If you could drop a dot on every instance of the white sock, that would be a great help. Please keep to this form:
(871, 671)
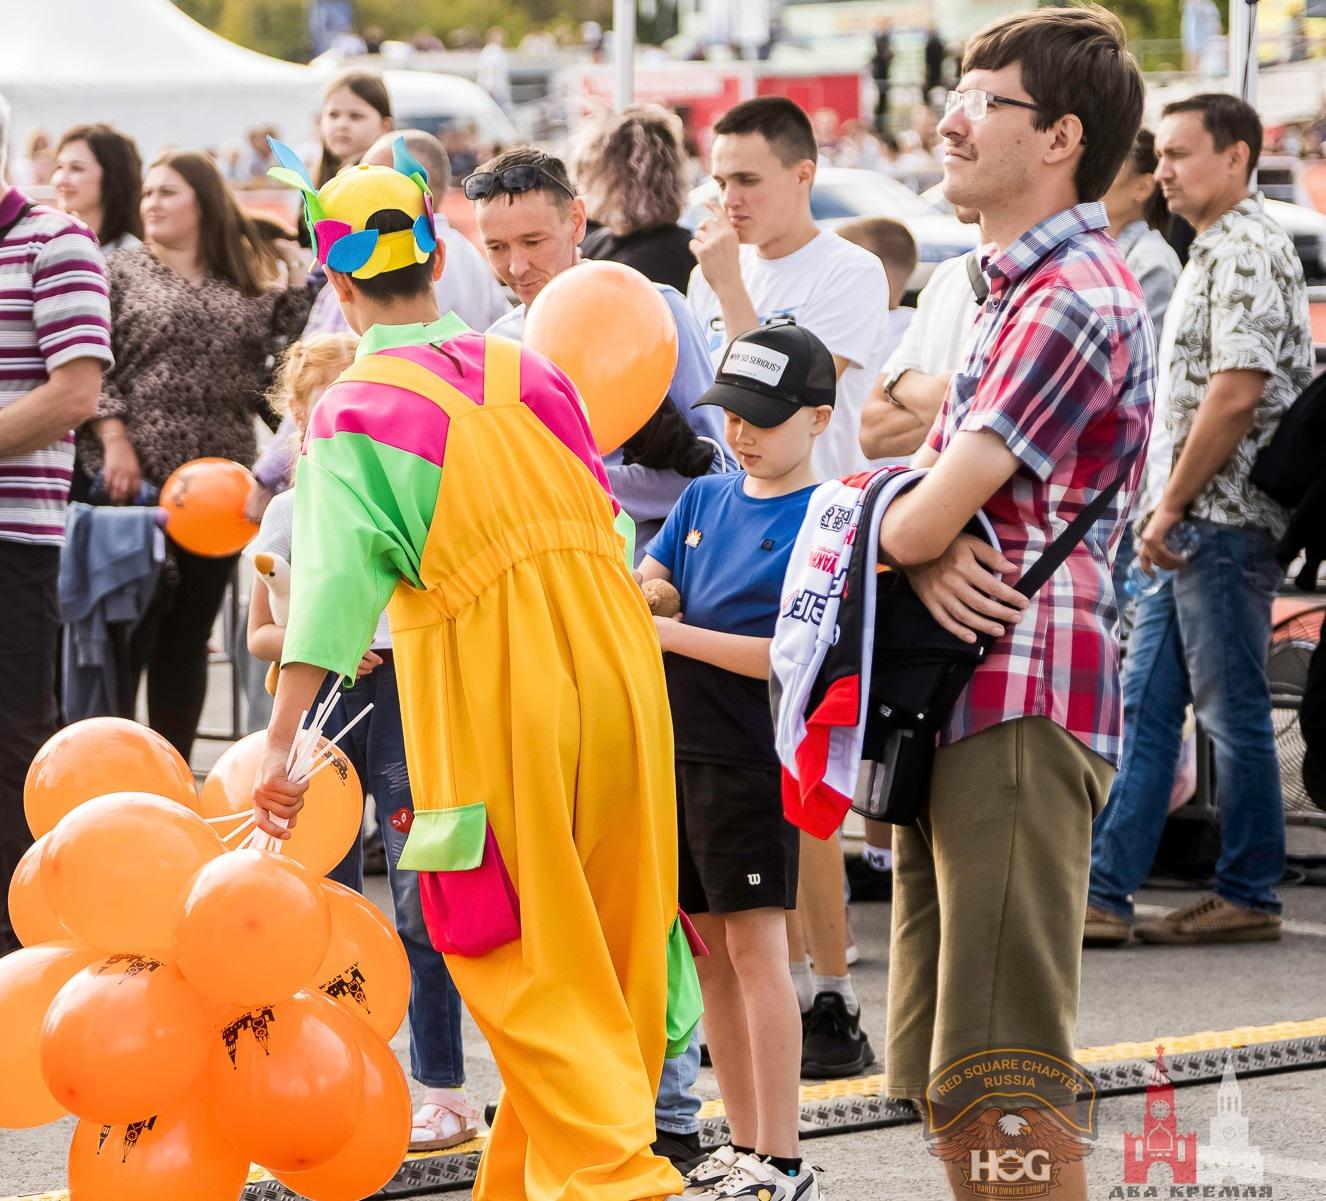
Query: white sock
(879, 859)
(804, 983)
(842, 985)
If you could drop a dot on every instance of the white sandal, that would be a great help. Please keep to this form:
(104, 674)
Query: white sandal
(438, 1125)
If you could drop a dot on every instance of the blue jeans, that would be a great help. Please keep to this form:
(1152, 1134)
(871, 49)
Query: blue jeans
(1202, 638)
(376, 747)
(677, 1108)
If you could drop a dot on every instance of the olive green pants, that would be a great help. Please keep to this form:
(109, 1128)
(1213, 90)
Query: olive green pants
(989, 899)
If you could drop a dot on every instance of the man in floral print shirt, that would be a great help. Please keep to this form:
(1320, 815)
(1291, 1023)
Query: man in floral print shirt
(1235, 351)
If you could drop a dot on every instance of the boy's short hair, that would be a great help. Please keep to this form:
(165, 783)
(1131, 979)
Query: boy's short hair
(782, 123)
(405, 282)
(1228, 119)
(889, 241)
(1073, 60)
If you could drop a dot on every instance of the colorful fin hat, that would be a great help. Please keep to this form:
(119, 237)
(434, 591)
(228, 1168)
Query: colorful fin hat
(337, 213)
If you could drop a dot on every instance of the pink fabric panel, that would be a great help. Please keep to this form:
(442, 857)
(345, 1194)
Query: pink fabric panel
(471, 912)
(693, 939)
(403, 419)
(544, 390)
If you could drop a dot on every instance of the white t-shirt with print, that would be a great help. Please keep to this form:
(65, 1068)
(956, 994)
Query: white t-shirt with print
(840, 293)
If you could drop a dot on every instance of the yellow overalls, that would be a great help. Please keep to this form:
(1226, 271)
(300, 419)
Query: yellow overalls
(540, 748)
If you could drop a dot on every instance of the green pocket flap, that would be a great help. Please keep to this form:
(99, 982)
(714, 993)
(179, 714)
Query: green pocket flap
(446, 840)
(684, 1004)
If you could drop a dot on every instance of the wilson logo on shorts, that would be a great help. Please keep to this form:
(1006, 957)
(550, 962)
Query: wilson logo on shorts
(753, 878)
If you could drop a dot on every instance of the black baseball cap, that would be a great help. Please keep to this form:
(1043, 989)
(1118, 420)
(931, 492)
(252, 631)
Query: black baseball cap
(770, 372)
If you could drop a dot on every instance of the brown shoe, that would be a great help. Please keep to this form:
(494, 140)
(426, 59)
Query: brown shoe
(1105, 929)
(1212, 919)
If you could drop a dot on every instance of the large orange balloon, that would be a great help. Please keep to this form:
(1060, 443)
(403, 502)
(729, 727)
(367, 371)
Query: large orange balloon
(30, 911)
(365, 969)
(205, 506)
(378, 1145)
(100, 755)
(124, 1039)
(611, 331)
(326, 827)
(255, 928)
(288, 1082)
(115, 870)
(170, 1157)
(29, 980)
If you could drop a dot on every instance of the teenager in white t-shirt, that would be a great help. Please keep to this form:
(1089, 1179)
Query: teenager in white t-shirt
(760, 256)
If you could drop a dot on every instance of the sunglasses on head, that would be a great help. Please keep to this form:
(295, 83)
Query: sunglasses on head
(523, 177)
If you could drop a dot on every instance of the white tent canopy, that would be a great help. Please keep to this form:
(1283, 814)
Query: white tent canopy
(150, 70)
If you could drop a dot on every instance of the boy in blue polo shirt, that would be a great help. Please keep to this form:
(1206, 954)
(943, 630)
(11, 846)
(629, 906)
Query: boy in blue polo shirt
(726, 547)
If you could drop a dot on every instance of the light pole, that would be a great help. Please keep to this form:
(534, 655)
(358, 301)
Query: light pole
(623, 31)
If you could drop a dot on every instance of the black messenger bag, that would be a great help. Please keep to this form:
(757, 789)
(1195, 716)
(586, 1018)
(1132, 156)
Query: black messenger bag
(918, 672)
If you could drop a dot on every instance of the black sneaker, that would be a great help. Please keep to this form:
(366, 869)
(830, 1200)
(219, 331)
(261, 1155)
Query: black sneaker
(683, 1150)
(835, 1046)
(866, 883)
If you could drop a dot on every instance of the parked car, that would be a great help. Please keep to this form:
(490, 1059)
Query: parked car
(841, 194)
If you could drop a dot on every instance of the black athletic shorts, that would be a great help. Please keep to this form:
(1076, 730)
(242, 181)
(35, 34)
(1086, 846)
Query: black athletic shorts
(736, 851)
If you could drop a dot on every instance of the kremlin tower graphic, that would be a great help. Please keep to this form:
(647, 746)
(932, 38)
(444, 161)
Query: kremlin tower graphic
(1229, 1159)
(1160, 1140)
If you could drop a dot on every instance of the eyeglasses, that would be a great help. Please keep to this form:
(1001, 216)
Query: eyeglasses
(523, 177)
(975, 103)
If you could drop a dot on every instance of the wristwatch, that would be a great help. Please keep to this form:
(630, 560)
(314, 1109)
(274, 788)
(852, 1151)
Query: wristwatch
(889, 382)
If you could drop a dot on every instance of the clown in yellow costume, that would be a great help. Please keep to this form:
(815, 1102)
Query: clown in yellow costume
(452, 479)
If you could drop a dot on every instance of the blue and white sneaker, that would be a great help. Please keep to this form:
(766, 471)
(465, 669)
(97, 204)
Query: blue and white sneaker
(754, 1179)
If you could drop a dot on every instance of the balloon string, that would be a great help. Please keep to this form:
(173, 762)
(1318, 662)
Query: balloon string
(324, 752)
(227, 817)
(238, 830)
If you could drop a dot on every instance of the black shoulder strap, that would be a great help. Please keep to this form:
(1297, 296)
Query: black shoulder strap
(22, 212)
(1057, 552)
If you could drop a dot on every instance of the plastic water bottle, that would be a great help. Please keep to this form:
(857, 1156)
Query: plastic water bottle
(1183, 541)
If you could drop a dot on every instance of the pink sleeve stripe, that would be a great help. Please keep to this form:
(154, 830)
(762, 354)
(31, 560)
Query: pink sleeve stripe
(391, 416)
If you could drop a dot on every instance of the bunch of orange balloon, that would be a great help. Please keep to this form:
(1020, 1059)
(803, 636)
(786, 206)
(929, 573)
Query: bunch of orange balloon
(197, 1009)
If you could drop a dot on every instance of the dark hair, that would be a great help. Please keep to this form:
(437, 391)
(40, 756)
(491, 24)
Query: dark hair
(555, 182)
(1227, 119)
(1073, 60)
(783, 124)
(370, 87)
(121, 178)
(667, 440)
(228, 241)
(1144, 161)
(405, 282)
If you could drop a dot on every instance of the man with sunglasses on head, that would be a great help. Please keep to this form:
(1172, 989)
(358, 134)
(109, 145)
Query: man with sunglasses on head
(1050, 410)
(531, 222)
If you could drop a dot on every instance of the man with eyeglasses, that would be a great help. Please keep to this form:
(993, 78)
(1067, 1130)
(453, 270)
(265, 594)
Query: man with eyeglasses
(1050, 409)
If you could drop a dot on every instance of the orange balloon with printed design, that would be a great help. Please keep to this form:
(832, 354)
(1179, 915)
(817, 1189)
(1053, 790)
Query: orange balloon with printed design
(205, 502)
(116, 868)
(178, 1155)
(333, 812)
(99, 755)
(610, 330)
(29, 980)
(376, 1149)
(30, 912)
(287, 1082)
(125, 1038)
(365, 970)
(255, 928)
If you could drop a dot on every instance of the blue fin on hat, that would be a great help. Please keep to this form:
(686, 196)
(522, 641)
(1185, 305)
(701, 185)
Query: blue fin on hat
(407, 164)
(423, 233)
(351, 252)
(291, 162)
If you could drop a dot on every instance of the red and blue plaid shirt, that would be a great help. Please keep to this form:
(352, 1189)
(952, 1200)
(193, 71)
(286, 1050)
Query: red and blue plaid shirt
(1062, 369)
